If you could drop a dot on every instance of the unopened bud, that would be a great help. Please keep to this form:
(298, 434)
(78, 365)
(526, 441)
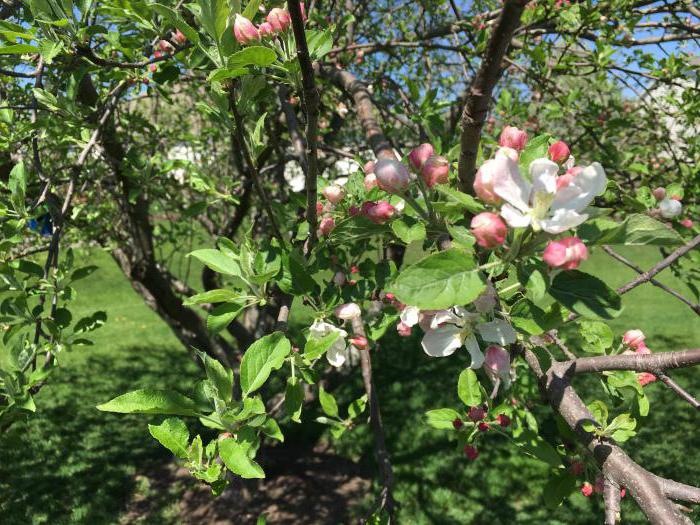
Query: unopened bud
(489, 229)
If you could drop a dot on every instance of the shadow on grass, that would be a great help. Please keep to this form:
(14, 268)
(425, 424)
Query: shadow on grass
(71, 463)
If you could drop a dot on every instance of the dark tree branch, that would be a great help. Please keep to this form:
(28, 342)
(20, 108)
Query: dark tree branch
(611, 497)
(311, 101)
(678, 389)
(638, 362)
(479, 97)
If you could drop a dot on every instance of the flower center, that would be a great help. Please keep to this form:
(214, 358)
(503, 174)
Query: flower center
(541, 203)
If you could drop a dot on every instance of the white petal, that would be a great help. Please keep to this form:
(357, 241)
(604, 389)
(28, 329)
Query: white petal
(442, 341)
(409, 315)
(584, 187)
(497, 331)
(487, 300)
(337, 354)
(509, 184)
(514, 218)
(544, 175)
(445, 316)
(475, 352)
(670, 208)
(562, 220)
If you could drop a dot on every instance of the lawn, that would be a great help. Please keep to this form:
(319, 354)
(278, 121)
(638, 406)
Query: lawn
(73, 464)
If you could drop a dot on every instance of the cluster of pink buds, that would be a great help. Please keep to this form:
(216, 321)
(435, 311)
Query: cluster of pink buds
(588, 489)
(633, 341)
(565, 253)
(277, 21)
(433, 169)
(325, 226)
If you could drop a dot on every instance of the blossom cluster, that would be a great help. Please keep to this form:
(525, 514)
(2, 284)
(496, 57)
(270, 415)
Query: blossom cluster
(277, 21)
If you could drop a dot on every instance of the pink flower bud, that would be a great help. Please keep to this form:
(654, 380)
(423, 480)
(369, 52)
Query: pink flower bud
(370, 181)
(559, 151)
(497, 363)
(244, 30)
(623, 492)
(513, 137)
(645, 378)
(368, 167)
(642, 349)
(471, 452)
(435, 170)
(420, 155)
(348, 311)
(339, 279)
(392, 176)
(483, 426)
(279, 19)
(266, 30)
(389, 296)
(165, 46)
(565, 253)
(334, 193)
(179, 37)
(457, 423)
(152, 68)
(326, 226)
(404, 330)
(319, 207)
(378, 212)
(503, 420)
(483, 182)
(633, 338)
(686, 223)
(659, 193)
(587, 489)
(489, 230)
(354, 211)
(360, 342)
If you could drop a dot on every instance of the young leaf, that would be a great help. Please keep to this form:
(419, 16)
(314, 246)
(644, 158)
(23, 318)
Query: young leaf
(468, 388)
(220, 376)
(357, 407)
(222, 315)
(439, 281)
(293, 399)
(441, 418)
(173, 435)
(586, 295)
(235, 457)
(597, 335)
(217, 261)
(219, 295)
(149, 401)
(317, 347)
(261, 358)
(328, 403)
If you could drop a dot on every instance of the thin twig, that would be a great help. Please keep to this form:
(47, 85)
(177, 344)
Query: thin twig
(693, 306)
(375, 416)
(678, 389)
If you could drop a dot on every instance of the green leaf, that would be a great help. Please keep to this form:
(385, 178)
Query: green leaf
(261, 358)
(217, 261)
(599, 411)
(408, 230)
(468, 388)
(357, 407)
(597, 336)
(220, 376)
(538, 448)
(461, 236)
(222, 74)
(173, 435)
(219, 295)
(440, 280)
(214, 17)
(621, 428)
(557, 488)
(441, 418)
(294, 399)
(536, 148)
(252, 56)
(176, 20)
(328, 403)
(586, 295)
(235, 457)
(251, 9)
(18, 185)
(532, 320)
(18, 49)
(221, 316)
(464, 201)
(148, 401)
(272, 430)
(637, 229)
(315, 348)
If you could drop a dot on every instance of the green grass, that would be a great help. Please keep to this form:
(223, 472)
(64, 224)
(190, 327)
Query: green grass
(73, 464)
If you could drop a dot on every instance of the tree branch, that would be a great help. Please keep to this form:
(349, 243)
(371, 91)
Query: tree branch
(311, 100)
(477, 104)
(638, 362)
(387, 476)
(694, 307)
